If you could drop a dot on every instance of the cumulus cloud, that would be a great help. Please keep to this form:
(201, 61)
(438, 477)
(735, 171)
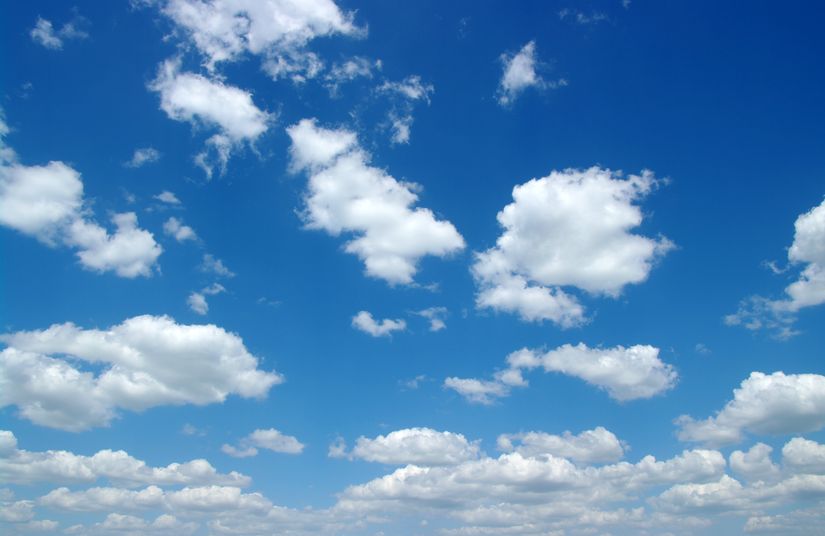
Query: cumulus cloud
(625, 373)
(197, 300)
(436, 317)
(755, 464)
(45, 34)
(520, 74)
(144, 362)
(210, 103)
(167, 197)
(419, 446)
(591, 446)
(212, 265)
(175, 228)
(20, 466)
(403, 96)
(143, 156)
(364, 321)
(808, 251)
(569, 229)
(47, 203)
(804, 456)
(764, 404)
(278, 31)
(347, 195)
(269, 439)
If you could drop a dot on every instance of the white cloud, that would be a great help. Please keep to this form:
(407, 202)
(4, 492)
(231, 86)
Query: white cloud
(804, 456)
(808, 290)
(143, 156)
(167, 197)
(45, 34)
(27, 467)
(269, 439)
(197, 300)
(755, 464)
(764, 404)
(175, 227)
(365, 322)
(569, 229)
(279, 31)
(419, 446)
(403, 95)
(212, 265)
(625, 373)
(47, 202)
(591, 446)
(129, 252)
(211, 103)
(144, 362)
(349, 70)
(436, 317)
(520, 74)
(346, 194)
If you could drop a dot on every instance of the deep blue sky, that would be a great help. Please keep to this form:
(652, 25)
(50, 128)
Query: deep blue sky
(722, 101)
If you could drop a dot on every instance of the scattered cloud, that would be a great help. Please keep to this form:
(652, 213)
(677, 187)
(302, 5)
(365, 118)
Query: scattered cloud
(582, 18)
(212, 265)
(279, 32)
(436, 317)
(58, 466)
(625, 373)
(269, 439)
(569, 229)
(591, 446)
(764, 404)
(349, 70)
(210, 103)
(144, 362)
(45, 34)
(419, 446)
(167, 197)
(197, 300)
(143, 156)
(47, 203)
(364, 321)
(520, 74)
(175, 227)
(403, 96)
(807, 250)
(346, 194)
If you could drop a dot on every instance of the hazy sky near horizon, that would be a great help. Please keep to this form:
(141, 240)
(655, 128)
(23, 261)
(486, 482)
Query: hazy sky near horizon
(460, 268)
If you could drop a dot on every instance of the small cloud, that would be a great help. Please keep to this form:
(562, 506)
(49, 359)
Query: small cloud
(143, 156)
(414, 383)
(215, 266)
(364, 321)
(338, 448)
(175, 227)
(192, 430)
(701, 349)
(197, 300)
(436, 317)
(45, 34)
(167, 197)
(269, 439)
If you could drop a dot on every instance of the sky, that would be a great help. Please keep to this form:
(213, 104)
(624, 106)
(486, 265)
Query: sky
(452, 268)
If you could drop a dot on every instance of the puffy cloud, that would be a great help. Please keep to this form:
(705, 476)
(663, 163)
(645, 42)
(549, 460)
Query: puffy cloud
(804, 456)
(403, 95)
(197, 300)
(47, 202)
(436, 317)
(419, 446)
(520, 74)
(119, 524)
(26, 467)
(168, 197)
(279, 31)
(45, 34)
(143, 156)
(808, 290)
(144, 362)
(346, 194)
(569, 229)
(208, 102)
(764, 404)
(755, 464)
(591, 446)
(269, 439)
(625, 373)
(364, 321)
(212, 265)
(175, 228)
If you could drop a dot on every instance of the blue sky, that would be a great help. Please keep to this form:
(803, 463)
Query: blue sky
(412, 268)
